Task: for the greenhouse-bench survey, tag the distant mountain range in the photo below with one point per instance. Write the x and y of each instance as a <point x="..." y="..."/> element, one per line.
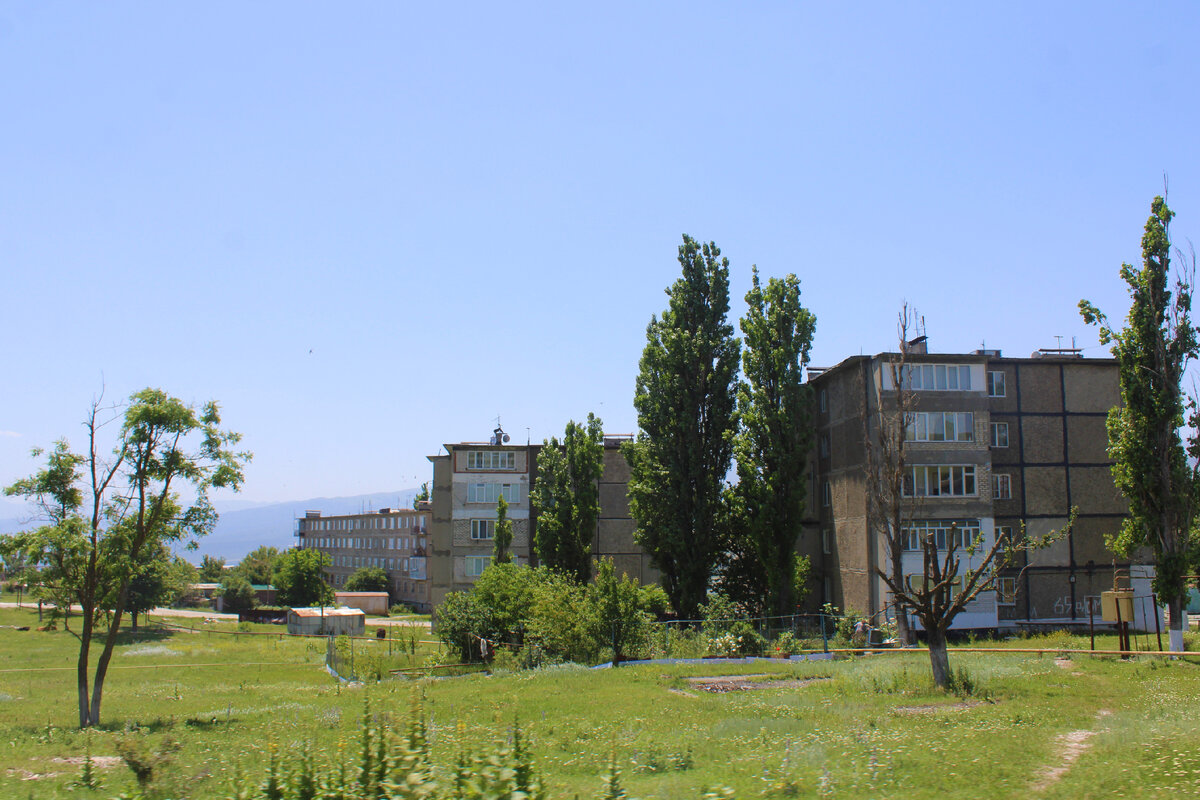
<point x="243" y="526"/>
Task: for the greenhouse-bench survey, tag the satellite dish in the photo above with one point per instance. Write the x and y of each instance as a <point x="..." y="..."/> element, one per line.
<point x="506" y="438"/>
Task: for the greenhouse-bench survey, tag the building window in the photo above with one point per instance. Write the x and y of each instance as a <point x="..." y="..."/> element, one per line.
<point x="491" y="492"/>
<point x="940" y="481"/>
<point x="826" y="541"/>
<point x="476" y="565"/>
<point x="1004" y="534"/>
<point x="1006" y="591"/>
<point x="959" y="532"/>
<point x="941" y="426"/>
<point x="491" y="459"/>
<point x="483" y="528"/>
<point x="999" y="434"/>
<point x="826" y="495"/>
<point x="824" y="445"/>
<point x="824" y="401"/>
<point x="1002" y="487"/>
<point x="996" y="384"/>
<point x="938" y="377"/>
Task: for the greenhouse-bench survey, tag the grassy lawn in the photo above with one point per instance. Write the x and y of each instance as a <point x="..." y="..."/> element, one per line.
<point x="865" y="727"/>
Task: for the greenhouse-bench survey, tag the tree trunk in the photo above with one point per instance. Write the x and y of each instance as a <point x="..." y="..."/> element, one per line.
<point x="939" y="659"/>
<point x="1175" y="608"/>
<point x="903" y="631"/>
<point x="81" y="668"/>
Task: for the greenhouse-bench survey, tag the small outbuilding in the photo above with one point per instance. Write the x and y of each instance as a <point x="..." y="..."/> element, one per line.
<point x="369" y="602"/>
<point x="327" y="621"/>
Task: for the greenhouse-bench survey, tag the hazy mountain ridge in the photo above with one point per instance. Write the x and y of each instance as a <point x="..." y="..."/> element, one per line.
<point x="241" y="530"/>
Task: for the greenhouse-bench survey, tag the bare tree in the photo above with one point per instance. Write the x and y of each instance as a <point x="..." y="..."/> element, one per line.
<point x="885" y="435"/>
<point x="949" y="585"/>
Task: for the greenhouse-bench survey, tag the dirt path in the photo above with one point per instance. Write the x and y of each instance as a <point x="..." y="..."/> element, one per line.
<point x="721" y="684"/>
<point x="1071" y="746"/>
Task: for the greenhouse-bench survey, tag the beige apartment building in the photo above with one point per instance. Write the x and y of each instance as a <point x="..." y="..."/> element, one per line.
<point x="395" y="540"/>
<point x="468" y="480"/>
<point x="994" y="443"/>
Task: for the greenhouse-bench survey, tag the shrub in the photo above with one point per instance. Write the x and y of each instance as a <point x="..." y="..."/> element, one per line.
<point x="461" y="620"/>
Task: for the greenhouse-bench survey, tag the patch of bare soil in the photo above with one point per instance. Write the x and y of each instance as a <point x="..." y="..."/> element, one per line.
<point x="934" y="708"/>
<point x="99" y="762"/>
<point x="722" y="684"/>
<point x="1071" y="746"/>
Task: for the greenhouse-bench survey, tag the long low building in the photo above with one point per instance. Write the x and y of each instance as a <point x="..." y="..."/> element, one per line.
<point x="395" y="540"/>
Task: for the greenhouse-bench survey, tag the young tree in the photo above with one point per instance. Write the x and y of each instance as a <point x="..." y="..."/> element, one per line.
<point x="367" y="579"/>
<point x="503" y="538"/>
<point x="567" y="498"/>
<point x="775" y="440"/>
<point x="211" y="569"/>
<point x="685" y="399"/>
<point x="618" y="619"/>
<point x="885" y="436"/>
<point x="1150" y="465"/>
<point x="132" y="507"/>
<point x="300" y="578"/>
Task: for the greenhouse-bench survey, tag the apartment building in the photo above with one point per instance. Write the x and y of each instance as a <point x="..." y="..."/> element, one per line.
<point x="395" y="540"/>
<point x="993" y="443"/>
<point x="468" y="480"/>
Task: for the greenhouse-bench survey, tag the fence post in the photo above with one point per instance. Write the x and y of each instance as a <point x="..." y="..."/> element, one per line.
<point x="1157" y="627"/>
<point x="824" y="637"/>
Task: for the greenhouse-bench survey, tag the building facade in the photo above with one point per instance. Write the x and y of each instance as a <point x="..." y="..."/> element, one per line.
<point x="469" y="479"/>
<point x="992" y="444"/>
<point x="395" y="540"/>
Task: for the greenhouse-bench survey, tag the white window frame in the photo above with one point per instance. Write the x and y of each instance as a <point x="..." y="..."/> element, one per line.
<point x="491" y="492"/>
<point x="937" y="377"/>
<point x="996" y="383"/>
<point x="826" y="495"/>
<point x="965" y="533"/>
<point x="492" y="459"/>
<point x="483" y="529"/>
<point x="1001" y="486"/>
<point x="1006" y="590"/>
<point x="824" y="445"/>
<point x="824" y="399"/>
<point x="826" y="541"/>
<point x="941" y="480"/>
<point x="473" y="566"/>
<point x="940" y="426"/>
<point x="998" y="434"/>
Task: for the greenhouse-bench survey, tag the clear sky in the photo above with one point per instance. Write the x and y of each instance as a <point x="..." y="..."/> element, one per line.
<point x="367" y="229"/>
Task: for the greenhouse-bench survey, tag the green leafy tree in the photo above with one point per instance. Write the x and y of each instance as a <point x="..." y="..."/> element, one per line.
<point x="367" y="579"/>
<point x="300" y="578"/>
<point x="462" y="621"/>
<point x="258" y="567"/>
<point x="503" y="538"/>
<point x="1151" y="467"/>
<point x="773" y="446"/>
<point x="211" y="569"/>
<point x="685" y="400"/>
<point x="237" y="594"/>
<point x="151" y="583"/>
<point x="421" y="495"/>
<point x="619" y="618"/>
<point x="123" y="506"/>
<point x="567" y="498"/>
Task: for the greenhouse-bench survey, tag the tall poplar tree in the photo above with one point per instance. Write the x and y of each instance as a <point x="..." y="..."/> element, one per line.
<point x="567" y="498"/>
<point x="685" y="399"/>
<point x="1150" y="464"/>
<point x="503" y="536"/>
<point x="773" y="445"/>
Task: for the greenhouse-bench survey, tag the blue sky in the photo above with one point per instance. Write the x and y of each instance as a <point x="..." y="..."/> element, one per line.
<point x="369" y="229"/>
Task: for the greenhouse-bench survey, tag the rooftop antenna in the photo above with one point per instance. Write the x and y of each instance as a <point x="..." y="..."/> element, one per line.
<point x="1058" y="339"/>
<point x="527" y="437"/>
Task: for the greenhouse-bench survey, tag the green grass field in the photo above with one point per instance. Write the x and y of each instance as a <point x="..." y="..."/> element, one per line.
<point x="863" y="727"/>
